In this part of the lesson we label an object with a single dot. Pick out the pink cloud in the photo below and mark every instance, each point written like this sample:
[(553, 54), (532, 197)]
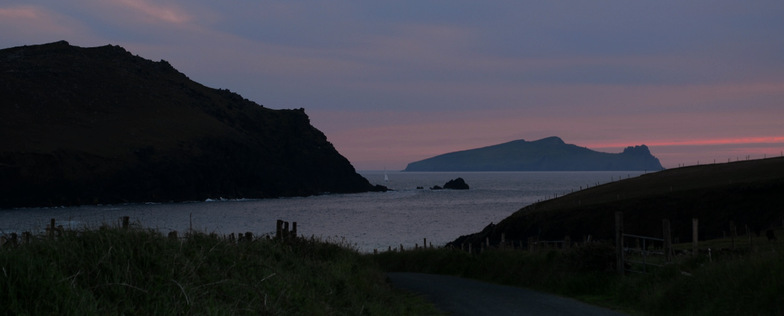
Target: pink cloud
[(703, 142), (156, 12)]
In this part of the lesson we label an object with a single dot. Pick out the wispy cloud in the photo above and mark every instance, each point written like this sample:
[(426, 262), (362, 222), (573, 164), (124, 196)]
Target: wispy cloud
[(154, 11)]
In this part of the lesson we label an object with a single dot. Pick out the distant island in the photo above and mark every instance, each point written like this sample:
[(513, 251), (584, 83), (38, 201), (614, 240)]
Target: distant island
[(548, 154), (100, 126)]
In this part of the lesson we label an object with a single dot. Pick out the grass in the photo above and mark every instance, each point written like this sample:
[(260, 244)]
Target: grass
[(137, 271), (111, 270), (745, 281)]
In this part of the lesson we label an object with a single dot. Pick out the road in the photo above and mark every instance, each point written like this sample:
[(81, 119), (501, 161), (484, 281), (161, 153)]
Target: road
[(459, 296)]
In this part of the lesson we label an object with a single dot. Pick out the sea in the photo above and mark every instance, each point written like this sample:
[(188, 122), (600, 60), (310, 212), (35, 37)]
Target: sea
[(408, 215)]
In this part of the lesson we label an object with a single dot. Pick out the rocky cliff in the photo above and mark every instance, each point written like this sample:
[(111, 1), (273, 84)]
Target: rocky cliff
[(548, 154), (100, 125)]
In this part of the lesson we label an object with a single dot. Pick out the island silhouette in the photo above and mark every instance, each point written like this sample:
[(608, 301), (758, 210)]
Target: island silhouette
[(547, 154)]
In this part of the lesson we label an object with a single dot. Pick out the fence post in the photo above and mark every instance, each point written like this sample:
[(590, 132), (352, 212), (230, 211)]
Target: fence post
[(695, 226), (619, 262), (51, 228), (125, 222), (294, 230), (667, 236)]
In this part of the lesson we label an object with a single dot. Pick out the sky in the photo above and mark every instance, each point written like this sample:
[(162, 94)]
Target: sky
[(393, 82)]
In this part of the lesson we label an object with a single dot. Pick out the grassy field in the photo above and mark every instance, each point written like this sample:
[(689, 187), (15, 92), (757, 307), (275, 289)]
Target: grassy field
[(111, 271), (741, 281)]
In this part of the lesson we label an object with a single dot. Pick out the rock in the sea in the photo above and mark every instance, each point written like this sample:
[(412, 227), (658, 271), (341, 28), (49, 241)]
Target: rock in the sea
[(456, 184)]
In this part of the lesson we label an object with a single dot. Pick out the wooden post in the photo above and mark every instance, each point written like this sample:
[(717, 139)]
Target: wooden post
[(619, 261), (667, 236), (294, 230), (695, 226), (424, 243), (125, 222), (279, 229), (50, 229)]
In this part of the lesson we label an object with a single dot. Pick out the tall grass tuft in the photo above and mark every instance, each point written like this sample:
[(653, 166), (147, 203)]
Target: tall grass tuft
[(140, 271)]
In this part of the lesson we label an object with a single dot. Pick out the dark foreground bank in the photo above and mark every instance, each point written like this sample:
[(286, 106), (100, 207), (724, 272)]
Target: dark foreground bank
[(113, 271)]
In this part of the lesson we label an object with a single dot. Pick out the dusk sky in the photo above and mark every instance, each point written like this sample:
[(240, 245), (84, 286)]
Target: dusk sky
[(392, 82)]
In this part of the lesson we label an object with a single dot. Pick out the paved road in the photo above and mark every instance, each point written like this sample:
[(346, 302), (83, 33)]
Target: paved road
[(458, 296)]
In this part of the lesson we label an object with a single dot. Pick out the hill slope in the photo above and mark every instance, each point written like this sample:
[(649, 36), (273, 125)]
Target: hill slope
[(548, 154), (747, 193), (100, 125)]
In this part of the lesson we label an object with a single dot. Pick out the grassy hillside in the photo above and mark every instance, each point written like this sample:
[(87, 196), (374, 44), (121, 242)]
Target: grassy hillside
[(746, 193), (744, 281), (113, 271)]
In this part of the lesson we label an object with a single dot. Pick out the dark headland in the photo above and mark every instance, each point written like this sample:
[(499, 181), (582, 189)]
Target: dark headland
[(746, 194), (100, 125), (548, 154)]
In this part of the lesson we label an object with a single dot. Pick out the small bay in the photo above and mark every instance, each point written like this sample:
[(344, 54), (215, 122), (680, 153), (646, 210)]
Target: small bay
[(373, 220)]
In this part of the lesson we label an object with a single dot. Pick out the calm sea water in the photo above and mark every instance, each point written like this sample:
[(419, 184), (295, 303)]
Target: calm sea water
[(369, 221)]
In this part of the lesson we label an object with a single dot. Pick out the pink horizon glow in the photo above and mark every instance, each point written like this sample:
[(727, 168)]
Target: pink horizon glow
[(389, 85), (698, 142)]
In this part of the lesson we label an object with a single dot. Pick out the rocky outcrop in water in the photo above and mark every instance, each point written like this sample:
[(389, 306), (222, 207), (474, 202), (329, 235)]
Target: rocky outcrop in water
[(456, 184)]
